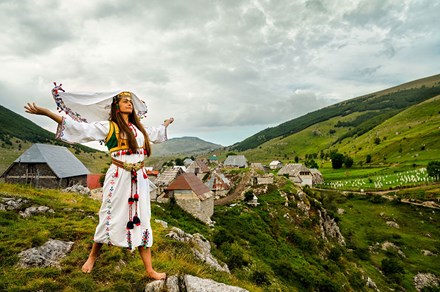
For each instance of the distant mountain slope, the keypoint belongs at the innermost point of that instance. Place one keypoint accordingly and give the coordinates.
(183, 145)
(375, 108)
(14, 125)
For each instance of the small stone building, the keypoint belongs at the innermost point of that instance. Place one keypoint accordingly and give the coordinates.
(48, 166)
(236, 161)
(276, 164)
(193, 196)
(199, 168)
(219, 184)
(297, 173)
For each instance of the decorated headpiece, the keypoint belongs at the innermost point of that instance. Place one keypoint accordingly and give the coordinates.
(93, 106)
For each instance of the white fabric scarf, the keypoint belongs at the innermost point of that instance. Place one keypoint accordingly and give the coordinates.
(91, 106)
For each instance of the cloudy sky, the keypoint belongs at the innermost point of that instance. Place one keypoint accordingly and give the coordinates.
(223, 69)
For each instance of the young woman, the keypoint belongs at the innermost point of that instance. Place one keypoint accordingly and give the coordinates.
(124, 216)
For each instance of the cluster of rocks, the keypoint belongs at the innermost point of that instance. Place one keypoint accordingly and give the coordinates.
(426, 280)
(78, 189)
(201, 247)
(188, 283)
(8, 203)
(11, 203)
(47, 255)
(34, 210)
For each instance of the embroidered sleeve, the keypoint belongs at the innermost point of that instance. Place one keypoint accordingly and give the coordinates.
(157, 134)
(79, 132)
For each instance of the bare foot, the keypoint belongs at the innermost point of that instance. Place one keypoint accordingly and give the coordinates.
(88, 265)
(156, 276)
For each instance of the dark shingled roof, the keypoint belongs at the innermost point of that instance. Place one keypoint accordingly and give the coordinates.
(62, 162)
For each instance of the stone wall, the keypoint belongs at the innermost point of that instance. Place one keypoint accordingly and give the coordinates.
(189, 202)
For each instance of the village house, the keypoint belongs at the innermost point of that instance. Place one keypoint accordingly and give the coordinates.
(317, 177)
(264, 179)
(199, 168)
(48, 166)
(236, 161)
(297, 173)
(165, 178)
(219, 184)
(258, 166)
(276, 164)
(193, 196)
(213, 159)
(187, 162)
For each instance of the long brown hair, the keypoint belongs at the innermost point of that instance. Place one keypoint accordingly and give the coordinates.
(116, 117)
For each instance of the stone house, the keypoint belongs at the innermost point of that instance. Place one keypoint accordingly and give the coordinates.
(193, 196)
(258, 166)
(236, 161)
(219, 184)
(199, 168)
(317, 177)
(297, 173)
(265, 179)
(49, 166)
(213, 159)
(276, 164)
(165, 178)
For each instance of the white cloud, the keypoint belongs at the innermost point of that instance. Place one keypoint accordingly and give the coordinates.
(225, 67)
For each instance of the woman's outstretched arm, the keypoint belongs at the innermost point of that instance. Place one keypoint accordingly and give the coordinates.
(36, 110)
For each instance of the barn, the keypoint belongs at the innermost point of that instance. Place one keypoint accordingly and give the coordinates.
(47, 166)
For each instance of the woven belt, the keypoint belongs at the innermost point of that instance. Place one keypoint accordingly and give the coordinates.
(128, 166)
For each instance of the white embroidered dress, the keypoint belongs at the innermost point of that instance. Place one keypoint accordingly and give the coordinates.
(115, 210)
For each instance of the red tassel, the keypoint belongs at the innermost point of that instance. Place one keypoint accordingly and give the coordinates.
(117, 171)
(144, 173)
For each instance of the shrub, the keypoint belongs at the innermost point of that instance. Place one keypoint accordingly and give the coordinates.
(260, 278)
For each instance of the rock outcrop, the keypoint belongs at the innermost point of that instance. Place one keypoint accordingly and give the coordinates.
(329, 228)
(201, 247)
(47, 255)
(188, 283)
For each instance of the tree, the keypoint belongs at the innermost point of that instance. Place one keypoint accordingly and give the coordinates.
(311, 164)
(296, 159)
(348, 161)
(368, 159)
(377, 141)
(179, 161)
(433, 169)
(337, 160)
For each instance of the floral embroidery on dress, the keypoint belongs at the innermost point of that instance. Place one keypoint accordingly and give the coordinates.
(146, 238)
(109, 214)
(60, 129)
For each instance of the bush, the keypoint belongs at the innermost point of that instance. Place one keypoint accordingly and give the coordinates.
(260, 278)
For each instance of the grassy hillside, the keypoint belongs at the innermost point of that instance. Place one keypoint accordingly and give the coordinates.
(275, 247)
(375, 108)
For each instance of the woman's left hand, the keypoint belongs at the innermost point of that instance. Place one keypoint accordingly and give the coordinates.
(166, 123)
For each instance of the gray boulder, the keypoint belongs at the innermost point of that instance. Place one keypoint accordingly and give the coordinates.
(47, 255)
(188, 283)
(200, 246)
